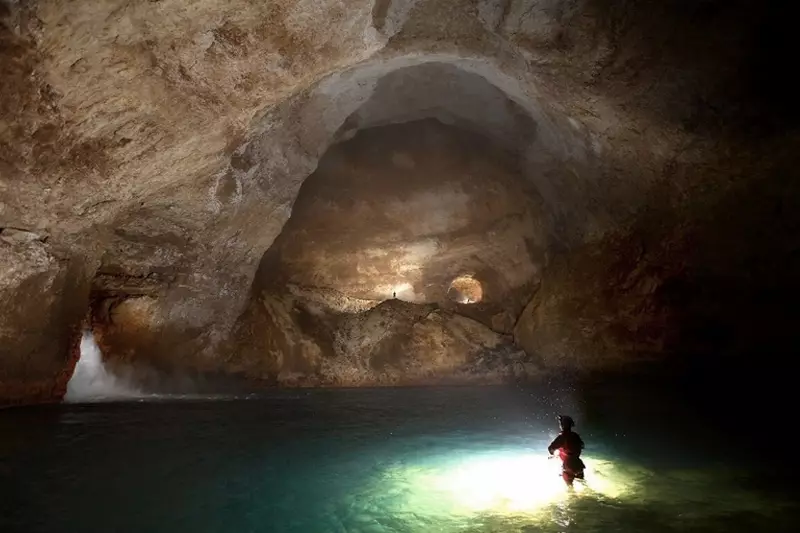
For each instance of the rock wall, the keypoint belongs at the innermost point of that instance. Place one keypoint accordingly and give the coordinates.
(705, 278)
(354, 291)
(44, 296)
(285, 342)
(161, 145)
(401, 211)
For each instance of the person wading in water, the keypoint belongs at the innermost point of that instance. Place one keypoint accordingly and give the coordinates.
(569, 445)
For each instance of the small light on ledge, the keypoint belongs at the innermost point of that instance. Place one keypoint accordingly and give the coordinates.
(401, 289)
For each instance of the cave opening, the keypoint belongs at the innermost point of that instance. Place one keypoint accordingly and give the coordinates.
(430, 177)
(465, 290)
(403, 210)
(383, 232)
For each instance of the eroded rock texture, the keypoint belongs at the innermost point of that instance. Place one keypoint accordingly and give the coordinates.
(355, 290)
(401, 211)
(709, 277)
(636, 166)
(288, 342)
(42, 290)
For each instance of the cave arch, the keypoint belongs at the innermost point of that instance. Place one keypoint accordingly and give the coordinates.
(465, 289)
(372, 262)
(401, 210)
(449, 94)
(557, 155)
(553, 151)
(222, 124)
(287, 141)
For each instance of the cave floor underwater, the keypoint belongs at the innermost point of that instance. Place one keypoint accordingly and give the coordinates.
(384, 460)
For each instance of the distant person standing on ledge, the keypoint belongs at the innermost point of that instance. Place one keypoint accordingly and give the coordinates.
(569, 445)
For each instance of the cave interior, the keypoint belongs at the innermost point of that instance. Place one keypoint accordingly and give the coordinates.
(400, 197)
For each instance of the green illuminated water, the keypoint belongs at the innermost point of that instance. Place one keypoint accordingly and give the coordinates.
(390, 460)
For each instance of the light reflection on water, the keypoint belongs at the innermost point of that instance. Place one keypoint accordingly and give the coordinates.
(517, 485)
(401, 460)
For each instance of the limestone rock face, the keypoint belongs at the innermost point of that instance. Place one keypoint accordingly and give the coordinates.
(394, 343)
(599, 309)
(152, 152)
(396, 215)
(401, 211)
(280, 342)
(39, 288)
(399, 343)
(706, 278)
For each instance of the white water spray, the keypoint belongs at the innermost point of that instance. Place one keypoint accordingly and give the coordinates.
(91, 381)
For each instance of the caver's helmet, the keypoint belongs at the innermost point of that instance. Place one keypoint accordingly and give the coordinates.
(565, 422)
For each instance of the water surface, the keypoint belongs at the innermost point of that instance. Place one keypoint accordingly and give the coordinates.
(385, 460)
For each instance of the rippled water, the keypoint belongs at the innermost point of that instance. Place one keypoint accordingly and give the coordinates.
(388, 460)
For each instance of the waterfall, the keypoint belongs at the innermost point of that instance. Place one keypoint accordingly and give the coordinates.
(91, 381)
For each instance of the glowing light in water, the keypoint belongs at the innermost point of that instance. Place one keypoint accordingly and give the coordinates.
(91, 381)
(514, 483)
(505, 483)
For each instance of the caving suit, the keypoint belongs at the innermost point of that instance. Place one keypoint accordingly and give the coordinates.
(569, 446)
